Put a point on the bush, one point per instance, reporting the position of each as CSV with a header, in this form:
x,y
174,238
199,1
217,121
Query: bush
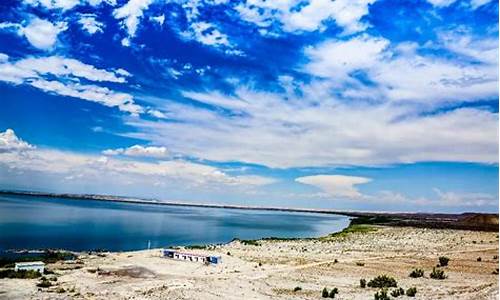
x,y
443,261
411,292
21,274
417,273
44,283
362,283
479,259
381,295
398,292
333,292
60,290
382,281
324,293
437,274
360,264
297,288
495,257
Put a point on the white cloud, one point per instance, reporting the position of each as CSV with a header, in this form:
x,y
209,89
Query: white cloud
x,y
441,3
94,169
337,186
41,34
9,142
34,72
66,4
138,150
90,24
159,19
297,16
131,13
318,129
207,34
402,74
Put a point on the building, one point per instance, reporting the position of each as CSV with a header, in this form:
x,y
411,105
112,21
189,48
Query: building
x,y
207,259
30,266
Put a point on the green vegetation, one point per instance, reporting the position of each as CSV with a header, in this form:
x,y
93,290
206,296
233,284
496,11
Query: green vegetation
x,y
417,273
398,292
250,242
359,264
362,283
381,295
372,220
21,274
411,292
437,274
324,293
333,292
297,288
479,259
495,257
443,261
44,283
196,247
382,281
353,228
47,257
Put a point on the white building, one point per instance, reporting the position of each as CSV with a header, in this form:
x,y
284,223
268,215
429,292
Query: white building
x,y
30,266
210,259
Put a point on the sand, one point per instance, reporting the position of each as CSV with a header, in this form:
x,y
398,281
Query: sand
x,y
273,269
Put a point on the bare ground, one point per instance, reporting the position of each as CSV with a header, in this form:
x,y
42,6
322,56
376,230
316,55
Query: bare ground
x,y
273,269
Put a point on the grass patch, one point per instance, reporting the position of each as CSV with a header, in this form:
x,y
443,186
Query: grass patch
x,y
353,228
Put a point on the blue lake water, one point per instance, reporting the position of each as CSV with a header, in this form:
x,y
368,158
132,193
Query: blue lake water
x,y
28,222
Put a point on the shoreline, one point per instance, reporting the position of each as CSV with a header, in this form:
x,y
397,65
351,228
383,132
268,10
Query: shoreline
x,y
273,269
465,221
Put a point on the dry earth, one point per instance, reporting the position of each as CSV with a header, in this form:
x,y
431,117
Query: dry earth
x,y
273,269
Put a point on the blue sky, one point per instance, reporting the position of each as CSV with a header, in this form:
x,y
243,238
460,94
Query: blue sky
x,y
365,105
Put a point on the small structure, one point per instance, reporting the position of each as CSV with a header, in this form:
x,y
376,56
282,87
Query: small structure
x,y
178,255
30,266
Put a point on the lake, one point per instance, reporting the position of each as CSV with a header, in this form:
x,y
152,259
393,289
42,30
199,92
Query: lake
x,y
29,222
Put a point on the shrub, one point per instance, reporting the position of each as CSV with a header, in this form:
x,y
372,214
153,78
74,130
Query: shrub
x,y
297,288
437,274
362,283
336,261
495,272
495,257
382,281
333,292
398,292
22,274
479,259
443,261
411,292
417,273
44,283
60,290
381,295
360,264
324,293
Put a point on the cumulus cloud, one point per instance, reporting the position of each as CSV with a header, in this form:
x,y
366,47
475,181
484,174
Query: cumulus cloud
x,y
41,34
9,142
36,71
402,74
65,165
66,4
90,24
297,16
337,186
207,34
131,13
138,150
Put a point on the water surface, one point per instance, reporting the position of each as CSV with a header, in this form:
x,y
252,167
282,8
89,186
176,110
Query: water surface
x,y
28,222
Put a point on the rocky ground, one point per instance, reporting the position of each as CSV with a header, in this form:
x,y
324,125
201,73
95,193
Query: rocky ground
x,y
272,269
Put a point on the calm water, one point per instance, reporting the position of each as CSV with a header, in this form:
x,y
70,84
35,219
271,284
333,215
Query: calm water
x,y
37,222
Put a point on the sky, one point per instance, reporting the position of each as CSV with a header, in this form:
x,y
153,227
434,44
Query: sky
x,y
353,105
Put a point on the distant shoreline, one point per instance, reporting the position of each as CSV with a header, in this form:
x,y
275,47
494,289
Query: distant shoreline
x,y
425,220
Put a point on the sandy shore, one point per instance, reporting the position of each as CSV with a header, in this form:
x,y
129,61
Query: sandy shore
x,y
272,269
